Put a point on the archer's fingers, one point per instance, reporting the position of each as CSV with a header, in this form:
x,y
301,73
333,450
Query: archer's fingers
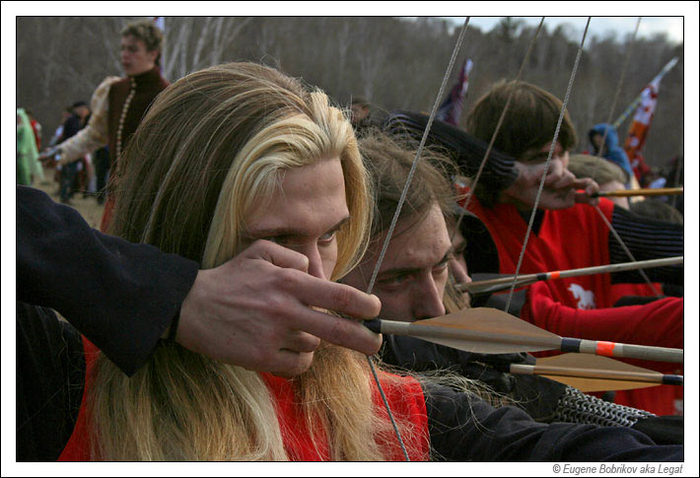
x,y
277,255
589,185
301,342
585,198
345,332
340,298
288,363
590,189
340,331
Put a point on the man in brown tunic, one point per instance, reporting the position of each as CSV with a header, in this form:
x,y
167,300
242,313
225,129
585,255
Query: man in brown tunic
x,y
119,104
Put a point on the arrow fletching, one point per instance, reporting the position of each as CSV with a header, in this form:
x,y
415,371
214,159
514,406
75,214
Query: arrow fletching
x,y
591,373
492,331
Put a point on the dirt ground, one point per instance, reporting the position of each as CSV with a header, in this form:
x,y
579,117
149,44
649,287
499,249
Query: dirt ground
x,y
86,206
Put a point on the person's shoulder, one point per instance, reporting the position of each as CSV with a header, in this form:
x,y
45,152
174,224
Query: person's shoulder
x,y
109,81
106,86
116,86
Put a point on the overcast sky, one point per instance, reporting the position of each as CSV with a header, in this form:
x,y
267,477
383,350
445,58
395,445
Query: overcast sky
x,y
599,26
613,16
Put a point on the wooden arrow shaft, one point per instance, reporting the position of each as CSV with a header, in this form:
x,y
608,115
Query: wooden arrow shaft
x,y
648,377
614,349
483,338
640,192
444,332
502,283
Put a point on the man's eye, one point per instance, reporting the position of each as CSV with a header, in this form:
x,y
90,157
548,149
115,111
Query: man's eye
x,y
440,268
327,238
394,281
281,240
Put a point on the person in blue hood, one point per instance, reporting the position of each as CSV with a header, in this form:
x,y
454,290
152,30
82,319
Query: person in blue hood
x,y
611,148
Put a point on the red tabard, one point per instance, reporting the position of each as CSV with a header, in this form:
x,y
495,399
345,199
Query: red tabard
x,y
582,307
405,400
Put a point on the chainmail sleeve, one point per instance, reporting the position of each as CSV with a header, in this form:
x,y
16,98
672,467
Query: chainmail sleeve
x,y
575,406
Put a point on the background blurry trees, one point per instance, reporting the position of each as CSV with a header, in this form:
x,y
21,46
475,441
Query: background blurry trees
x,y
394,62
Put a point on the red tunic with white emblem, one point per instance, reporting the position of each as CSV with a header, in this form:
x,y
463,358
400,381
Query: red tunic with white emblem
x,y
582,307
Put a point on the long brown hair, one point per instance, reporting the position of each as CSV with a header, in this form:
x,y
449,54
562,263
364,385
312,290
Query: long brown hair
x,y
389,160
212,145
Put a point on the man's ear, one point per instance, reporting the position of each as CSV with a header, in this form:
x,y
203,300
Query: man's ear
x,y
153,55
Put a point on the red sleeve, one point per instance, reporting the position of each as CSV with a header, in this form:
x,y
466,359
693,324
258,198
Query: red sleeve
x,y
658,323
78,446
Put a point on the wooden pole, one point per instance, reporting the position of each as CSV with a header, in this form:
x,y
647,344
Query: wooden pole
x,y
639,192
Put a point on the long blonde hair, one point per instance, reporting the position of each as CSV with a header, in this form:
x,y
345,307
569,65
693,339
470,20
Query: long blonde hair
x,y
212,145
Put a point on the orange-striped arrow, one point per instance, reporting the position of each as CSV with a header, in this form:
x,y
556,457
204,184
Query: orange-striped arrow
x,y
492,331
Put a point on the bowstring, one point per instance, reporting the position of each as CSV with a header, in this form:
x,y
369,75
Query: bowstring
x,y
552,147
625,64
599,154
394,220
627,251
472,186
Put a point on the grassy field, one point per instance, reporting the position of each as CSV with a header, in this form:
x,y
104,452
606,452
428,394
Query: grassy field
x,y
87,207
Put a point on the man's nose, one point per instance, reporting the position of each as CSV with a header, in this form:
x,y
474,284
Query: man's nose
x,y
458,269
559,176
315,261
428,300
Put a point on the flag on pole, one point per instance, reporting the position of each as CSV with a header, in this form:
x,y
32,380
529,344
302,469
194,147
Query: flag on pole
x,y
636,137
633,105
644,114
451,109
